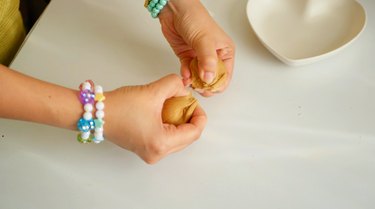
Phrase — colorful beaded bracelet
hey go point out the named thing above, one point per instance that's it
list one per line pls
(155, 6)
(89, 94)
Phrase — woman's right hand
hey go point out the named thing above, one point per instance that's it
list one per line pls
(133, 119)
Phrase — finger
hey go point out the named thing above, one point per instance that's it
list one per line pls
(207, 59)
(229, 65)
(178, 137)
(187, 133)
(170, 86)
(185, 68)
(207, 93)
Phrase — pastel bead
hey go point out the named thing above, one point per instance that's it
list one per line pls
(99, 97)
(149, 8)
(155, 6)
(98, 135)
(92, 124)
(85, 125)
(86, 96)
(154, 14)
(98, 89)
(98, 123)
(88, 107)
(99, 105)
(87, 116)
(86, 86)
(159, 6)
(97, 141)
(99, 114)
(85, 135)
(99, 129)
(163, 2)
(82, 140)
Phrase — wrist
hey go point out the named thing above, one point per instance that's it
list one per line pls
(91, 123)
(181, 6)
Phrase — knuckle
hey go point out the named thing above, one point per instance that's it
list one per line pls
(157, 148)
(150, 160)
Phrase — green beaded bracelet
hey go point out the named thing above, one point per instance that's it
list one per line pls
(155, 6)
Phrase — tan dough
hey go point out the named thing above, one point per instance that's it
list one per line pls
(198, 84)
(179, 110)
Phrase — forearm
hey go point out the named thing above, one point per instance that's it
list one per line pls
(182, 5)
(29, 99)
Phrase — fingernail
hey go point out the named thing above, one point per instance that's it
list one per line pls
(209, 77)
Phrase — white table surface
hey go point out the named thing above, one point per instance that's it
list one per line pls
(279, 138)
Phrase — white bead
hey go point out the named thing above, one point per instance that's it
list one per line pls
(98, 89)
(99, 105)
(87, 115)
(100, 114)
(88, 107)
(86, 86)
(97, 141)
(85, 135)
(99, 130)
(99, 136)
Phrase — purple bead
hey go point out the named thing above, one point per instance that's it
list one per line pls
(87, 96)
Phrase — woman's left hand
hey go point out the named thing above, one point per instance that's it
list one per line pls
(192, 32)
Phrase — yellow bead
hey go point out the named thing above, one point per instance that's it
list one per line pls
(99, 97)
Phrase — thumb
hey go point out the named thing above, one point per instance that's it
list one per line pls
(207, 60)
(170, 86)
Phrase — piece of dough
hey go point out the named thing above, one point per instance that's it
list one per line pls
(214, 86)
(179, 110)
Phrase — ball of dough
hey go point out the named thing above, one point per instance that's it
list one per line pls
(198, 84)
(179, 110)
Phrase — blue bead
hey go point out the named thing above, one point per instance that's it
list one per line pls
(155, 10)
(163, 2)
(159, 7)
(91, 124)
(85, 125)
(154, 15)
(149, 8)
(82, 125)
(154, 1)
(152, 4)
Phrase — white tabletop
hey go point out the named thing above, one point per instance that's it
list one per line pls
(279, 137)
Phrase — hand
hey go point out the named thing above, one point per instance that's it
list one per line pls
(133, 119)
(191, 32)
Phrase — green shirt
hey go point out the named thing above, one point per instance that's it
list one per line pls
(12, 31)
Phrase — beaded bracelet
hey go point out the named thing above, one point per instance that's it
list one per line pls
(155, 6)
(99, 122)
(89, 94)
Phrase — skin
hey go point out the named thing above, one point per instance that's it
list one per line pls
(126, 110)
(191, 32)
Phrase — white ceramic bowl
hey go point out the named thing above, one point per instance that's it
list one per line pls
(304, 31)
